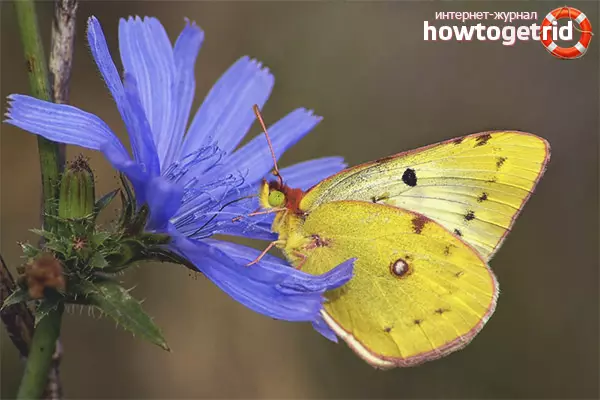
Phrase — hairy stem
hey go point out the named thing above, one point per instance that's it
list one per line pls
(41, 355)
(52, 159)
(50, 153)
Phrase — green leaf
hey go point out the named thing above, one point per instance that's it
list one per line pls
(137, 224)
(98, 261)
(115, 301)
(44, 308)
(154, 238)
(163, 255)
(123, 254)
(20, 295)
(45, 234)
(105, 201)
(128, 202)
(60, 247)
(29, 250)
(99, 238)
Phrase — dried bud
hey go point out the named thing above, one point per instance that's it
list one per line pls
(44, 272)
(77, 190)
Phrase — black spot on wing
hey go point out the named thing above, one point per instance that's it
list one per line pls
(500, 162)
(483, 197)
(409, 177)
(457, 232)
(377, 199)
(482, 139)
(470, 215)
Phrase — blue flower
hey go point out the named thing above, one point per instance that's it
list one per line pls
(193, 180)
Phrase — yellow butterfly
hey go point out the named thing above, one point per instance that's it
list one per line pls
(422, 226)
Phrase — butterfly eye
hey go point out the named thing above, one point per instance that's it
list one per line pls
(276, 198)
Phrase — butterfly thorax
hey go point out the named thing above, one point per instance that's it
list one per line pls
(289, 218)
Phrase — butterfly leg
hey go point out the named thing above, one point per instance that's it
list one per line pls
(265, 251)
(315, 241)
(303, 258)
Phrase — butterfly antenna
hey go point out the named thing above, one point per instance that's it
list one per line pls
(264, 128)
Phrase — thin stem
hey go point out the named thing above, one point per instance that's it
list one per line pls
(41, 355)
(50, 153)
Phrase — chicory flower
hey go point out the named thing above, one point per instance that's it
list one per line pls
(193, 179)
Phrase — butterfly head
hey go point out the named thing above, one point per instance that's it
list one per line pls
(276, 195)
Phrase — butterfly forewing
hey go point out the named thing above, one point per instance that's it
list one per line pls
(475, 186)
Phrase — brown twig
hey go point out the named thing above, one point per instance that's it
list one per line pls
(17, 318)
(61, 55)
(60, 64)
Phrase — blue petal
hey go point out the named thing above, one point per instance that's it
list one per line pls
(291, 279)
(226, 114)
(330, 280)
(250, 286)
(140, 132)
(306, 174)
(255, 156)
(131, 169)
(164, 199)
(66, 124)
(321, 326)
(186, 50)
(147, 55)
(61, 123)
(107, 67)
(269, 287)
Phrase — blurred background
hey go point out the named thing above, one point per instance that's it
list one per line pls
(365, 67)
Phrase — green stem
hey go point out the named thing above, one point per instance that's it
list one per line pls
(40, 355)
(51, 161)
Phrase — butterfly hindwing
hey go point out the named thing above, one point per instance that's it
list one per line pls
(418, 292)
(475, 186)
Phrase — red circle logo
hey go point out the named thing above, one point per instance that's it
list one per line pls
(585, 28)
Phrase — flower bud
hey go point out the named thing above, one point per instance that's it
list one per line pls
(77, 190)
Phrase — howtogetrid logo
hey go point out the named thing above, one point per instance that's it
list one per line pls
(547, 32)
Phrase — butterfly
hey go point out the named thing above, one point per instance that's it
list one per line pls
(422, 226)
